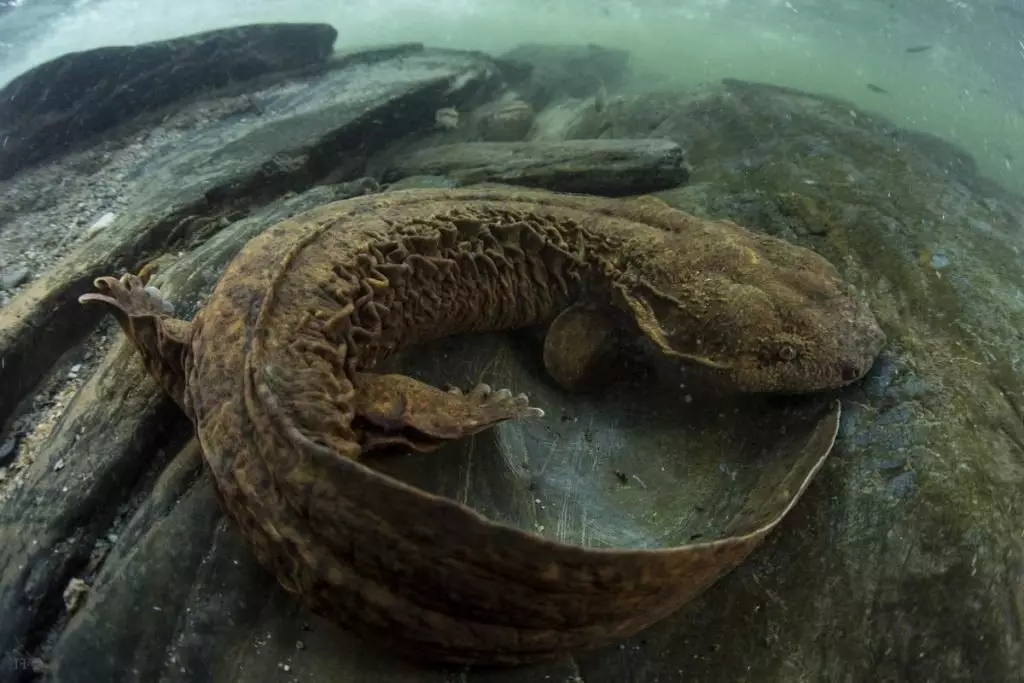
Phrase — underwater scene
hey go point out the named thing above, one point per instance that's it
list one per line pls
(503, 341)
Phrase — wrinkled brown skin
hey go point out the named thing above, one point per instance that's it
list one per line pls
(274, 372)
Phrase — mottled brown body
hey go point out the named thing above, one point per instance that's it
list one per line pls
(277, 380)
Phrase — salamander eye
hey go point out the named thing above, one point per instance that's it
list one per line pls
(787, 352)
(849, 372)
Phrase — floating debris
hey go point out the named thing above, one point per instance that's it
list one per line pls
(73, 594)
(935, 260)
(104, 221)
(447, 118)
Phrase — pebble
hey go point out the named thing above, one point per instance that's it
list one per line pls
(7, 449)
(100, 223)
(49, 209)
(14, 277)
(74, 592)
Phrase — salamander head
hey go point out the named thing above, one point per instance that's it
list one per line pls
(759, 312)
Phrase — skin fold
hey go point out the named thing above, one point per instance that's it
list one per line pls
(276, 373)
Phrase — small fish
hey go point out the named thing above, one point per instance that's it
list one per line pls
(918, 48)
(876, 88)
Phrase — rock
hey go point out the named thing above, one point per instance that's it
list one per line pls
(566, 71)
(71, 98)
(422, 181)
(507, 119)
(7, 449)
(175, 534)
(100, 223)
(958, 162)
(15, 277)
(557, 121)
(902, 561)
(116, 439)
(322, 132)
(447, 118)
(604, 167)
(73, 594)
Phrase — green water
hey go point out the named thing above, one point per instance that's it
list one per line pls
(838, 50)
(940, 91)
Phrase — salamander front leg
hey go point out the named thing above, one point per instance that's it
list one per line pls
(395, 411)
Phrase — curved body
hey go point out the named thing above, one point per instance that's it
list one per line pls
(278, 380)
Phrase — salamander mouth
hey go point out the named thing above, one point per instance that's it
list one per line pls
(796, 378)
(868, 339)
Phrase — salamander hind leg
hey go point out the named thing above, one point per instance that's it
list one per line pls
(399, 412)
